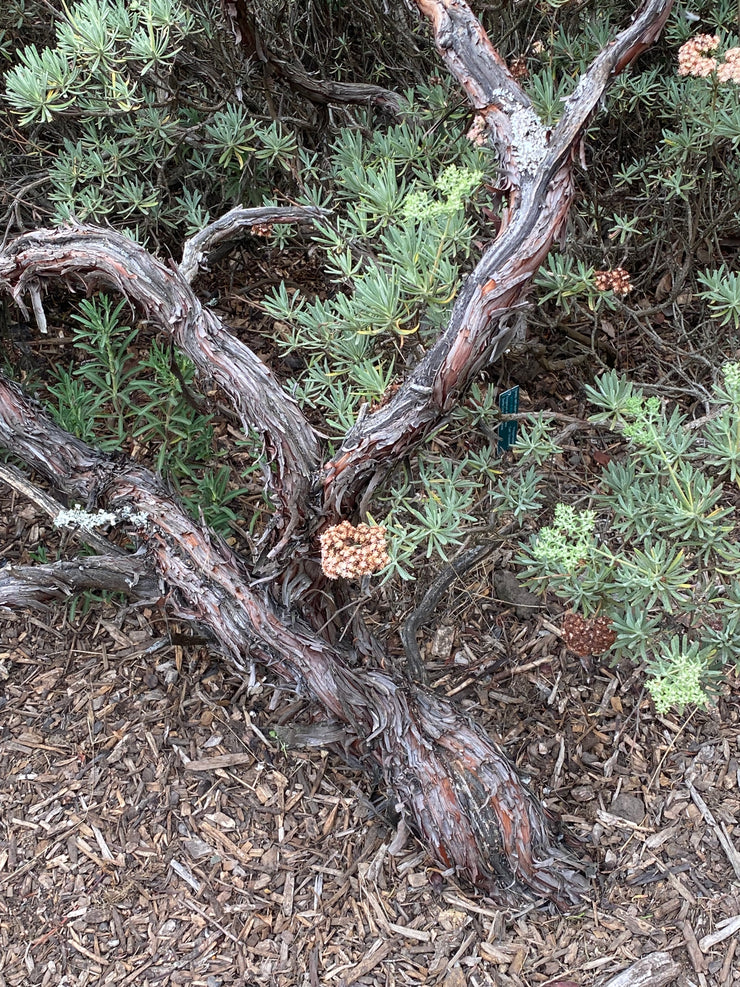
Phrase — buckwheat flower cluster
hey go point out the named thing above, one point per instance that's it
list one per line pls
(584, 636)
(351, 551)
(616, 280)
(731, 375)
(569, 541)
(458, 184)
(680, 687)
(729, 70)
(454, 184)
(418, 206)
(693, 58)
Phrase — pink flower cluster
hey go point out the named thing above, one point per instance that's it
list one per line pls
(351, 551)
(729, 70)
(693, 59)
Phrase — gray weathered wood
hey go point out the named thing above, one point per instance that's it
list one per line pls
(654, 970)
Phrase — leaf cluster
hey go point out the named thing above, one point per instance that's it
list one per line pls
(664, 179)
(131, 127)
(404, 214)
(657, 550)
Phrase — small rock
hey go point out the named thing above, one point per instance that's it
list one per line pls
(582, 793)
(197, 848)
(95, 916)
(451, 919)
(610, 860)
(455, 978)
(629, 807)
(508, 590)
(444, 638)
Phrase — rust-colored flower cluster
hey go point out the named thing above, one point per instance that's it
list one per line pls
(351, 551)
(584, 636)
(694, 59)
(616, 280)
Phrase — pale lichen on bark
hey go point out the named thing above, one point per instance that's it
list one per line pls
(529, 139)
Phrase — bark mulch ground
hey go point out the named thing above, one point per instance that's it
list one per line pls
(156, 828)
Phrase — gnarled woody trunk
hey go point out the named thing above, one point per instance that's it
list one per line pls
(449, 780)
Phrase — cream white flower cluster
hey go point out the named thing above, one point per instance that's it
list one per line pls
(731, 375)
(454, 184)
(351, 551)
(683, 685)
(569, 540)
(694, 59)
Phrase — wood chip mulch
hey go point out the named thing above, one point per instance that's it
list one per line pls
(155, 830)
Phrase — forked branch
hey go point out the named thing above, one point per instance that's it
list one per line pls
(448, 779)
(539, 172)
(232, 223)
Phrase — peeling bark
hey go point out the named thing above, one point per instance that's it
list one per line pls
(654, 970)
(33, 586)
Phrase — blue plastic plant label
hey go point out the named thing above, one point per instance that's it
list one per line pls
(508, 403)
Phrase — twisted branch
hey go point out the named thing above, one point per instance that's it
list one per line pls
(449, 780)
(97, 257)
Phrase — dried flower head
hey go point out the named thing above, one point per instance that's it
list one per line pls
(692, 56)
(616, 280)
(584, 636)
(351, 551)
(518, 68)
(478, 132)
